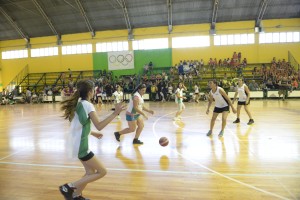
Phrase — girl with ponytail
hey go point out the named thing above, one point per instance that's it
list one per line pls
(80, 112)
(134, 110)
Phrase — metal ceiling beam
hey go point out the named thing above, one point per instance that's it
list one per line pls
(16, 27)
(214, 14)
(86, 19)
(261, 12)
(170, 16)
(126, 16)
(40, 9)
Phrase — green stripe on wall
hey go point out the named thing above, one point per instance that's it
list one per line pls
(159, 58)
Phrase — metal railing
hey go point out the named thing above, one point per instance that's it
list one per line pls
(293, 61)
(19, 78)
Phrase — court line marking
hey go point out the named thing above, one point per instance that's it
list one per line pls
(150, 171)
(215, 172)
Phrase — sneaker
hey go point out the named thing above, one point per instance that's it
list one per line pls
(117, 135)
(118, 117)
(221, 134)
(209, 133)
(66, 191)
(137, 141)
(80, 198)
(236, 121)
(251, 121)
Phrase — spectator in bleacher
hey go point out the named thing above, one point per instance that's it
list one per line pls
(244, 62)
(222, 104)
(146, 68)
(108, 91)
(70, 73)
(239, 57)
(201, 63)
(28, 95)
(244, 100)
(170, 92)
(153, 92)
(253, 86)
(150, 65)
(294, 84)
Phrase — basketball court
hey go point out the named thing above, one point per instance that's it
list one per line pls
(261, 161)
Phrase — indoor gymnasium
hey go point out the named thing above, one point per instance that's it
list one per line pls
(149, 99)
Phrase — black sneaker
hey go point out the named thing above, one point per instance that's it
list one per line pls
(137, 141)
(80, 198)
(236, 121)
(221, 134)
(209, 133)
(251, 121)
(117, 135)
(66, 191)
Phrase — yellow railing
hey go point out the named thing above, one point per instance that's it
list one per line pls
(18, 79)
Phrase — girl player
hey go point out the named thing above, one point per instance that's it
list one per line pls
(118, 97)
(244, 100)
(179, 100)
(80, 112)
(134, 110)
(222, 106)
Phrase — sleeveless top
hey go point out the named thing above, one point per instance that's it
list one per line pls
(130, 109)
(219, 99)
(242, 93)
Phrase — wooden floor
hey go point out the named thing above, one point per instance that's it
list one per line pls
(261, 161)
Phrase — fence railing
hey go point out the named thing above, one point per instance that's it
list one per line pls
(18, 79)
(293, 61)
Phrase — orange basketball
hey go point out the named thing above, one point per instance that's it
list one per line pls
(163, 141)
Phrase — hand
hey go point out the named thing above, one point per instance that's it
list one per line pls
(207, 111)
(96, 135)
(119, 108)
(151, 112)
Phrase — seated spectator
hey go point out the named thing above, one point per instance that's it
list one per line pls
(294, 84)
(150, 65)
(253, 86)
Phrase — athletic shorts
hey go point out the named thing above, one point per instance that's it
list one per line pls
(243, 102)
(132, 117)
(220, 110)
(87, 157)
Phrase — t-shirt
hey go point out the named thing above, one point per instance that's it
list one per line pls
(220, 100)
(118, 96)
(81, 128)
(180, 92)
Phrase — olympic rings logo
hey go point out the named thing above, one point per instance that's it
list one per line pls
(120, 59)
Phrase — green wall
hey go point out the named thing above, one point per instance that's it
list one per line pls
(159, 58)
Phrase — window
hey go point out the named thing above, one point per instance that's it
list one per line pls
(14, 54)
(158, 43)
(49, 51)
(282, 37)
(77, 49)
(233, 39)
(112, 46)
(192, 41)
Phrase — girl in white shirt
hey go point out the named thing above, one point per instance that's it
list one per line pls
(244, 100)
(118, 97)
(179, 100)
(222, 103)
(134, 110)
(80, 112)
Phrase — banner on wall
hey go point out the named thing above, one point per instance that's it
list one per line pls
(118, 60)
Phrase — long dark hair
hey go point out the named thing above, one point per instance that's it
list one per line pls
(139, 87)
(83, 87)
